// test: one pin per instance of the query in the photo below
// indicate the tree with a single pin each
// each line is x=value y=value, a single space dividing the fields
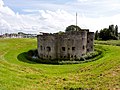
x=73 y=28
x=109 y=33
x=116 y=31
x=96 y=35
x=104 y=34
x=60 y=32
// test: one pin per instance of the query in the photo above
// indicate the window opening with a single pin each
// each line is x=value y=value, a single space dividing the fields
x=68 y=48
x=72 y=56
x=87 y=41
x=73 y=48
x=48 y=49
x=91 y=39
x=41 y=48
x=75 y=56
x=63 y=48
x=88 y=50
x=83 y=47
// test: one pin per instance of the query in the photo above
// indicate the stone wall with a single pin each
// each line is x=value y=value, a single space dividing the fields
x=90 y=41
x=47 y=46
x=70 y=45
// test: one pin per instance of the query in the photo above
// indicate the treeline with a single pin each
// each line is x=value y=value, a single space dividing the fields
x=110 y=33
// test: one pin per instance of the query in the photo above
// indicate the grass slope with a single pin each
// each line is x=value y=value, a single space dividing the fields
x=15 y=74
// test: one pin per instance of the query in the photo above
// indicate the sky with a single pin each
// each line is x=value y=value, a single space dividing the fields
x=34 y=16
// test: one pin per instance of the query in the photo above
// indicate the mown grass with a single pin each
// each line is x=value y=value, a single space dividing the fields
x=109 y=42
x=102 y=74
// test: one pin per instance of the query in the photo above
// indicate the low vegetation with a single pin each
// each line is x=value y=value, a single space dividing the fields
x=18 y=73
x=32 y=55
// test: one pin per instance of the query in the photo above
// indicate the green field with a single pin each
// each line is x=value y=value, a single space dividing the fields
x=17 y=73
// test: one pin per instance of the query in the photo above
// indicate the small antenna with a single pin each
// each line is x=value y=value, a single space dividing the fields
x=76 y=21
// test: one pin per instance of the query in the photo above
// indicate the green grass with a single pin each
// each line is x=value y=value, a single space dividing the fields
x=109 y=42
x=17 y=73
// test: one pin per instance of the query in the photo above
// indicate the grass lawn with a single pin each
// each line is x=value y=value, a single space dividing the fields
x=17 y=73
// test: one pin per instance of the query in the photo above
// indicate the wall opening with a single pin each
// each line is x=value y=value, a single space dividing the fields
x=87 y=41
x=83 y=47
x=91 y=39
x=91 y=47
x=41 y=48
x=75 y=56
x=68 y=39
x=68 y=48
x=88 y=50
x=82 y=39
x=83 y=54
x=63 y=48
x=71 y=56
x=48 y=49
x=73 y=48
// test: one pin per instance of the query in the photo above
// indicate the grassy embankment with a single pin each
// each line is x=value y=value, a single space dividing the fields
x=17 y=73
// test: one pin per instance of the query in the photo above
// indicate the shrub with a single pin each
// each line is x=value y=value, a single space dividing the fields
x=86 y=58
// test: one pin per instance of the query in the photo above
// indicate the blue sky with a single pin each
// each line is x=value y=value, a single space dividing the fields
x=28 y=15
x=90 y=8
x=21 y=5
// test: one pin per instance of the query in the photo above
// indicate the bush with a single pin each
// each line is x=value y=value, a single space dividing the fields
x=86 y=58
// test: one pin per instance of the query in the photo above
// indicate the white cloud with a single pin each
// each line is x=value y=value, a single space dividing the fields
x=5 y=10
x=50 y=21
x=96 y=8
x=1 y=3
x=46 y=21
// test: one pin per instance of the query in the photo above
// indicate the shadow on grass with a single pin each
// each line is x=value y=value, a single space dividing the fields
x=22 y=57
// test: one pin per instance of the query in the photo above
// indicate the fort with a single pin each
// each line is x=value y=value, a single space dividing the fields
x=67 y=46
